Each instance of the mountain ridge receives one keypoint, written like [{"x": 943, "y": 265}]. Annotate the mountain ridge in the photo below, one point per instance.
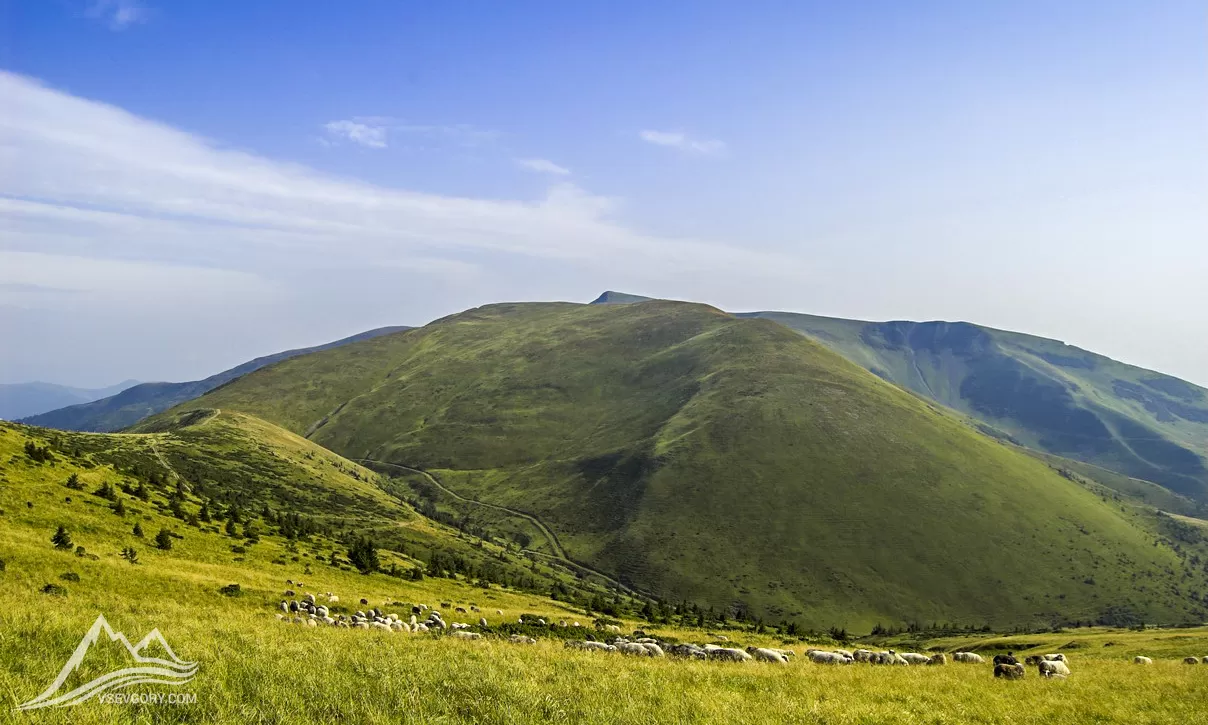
[
  {"x": 131, "y": 405},
  {"x": 730, "y": 462}
]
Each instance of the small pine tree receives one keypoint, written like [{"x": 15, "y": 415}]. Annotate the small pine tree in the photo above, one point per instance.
[
  {"x": 73, "y": 482},
  {"x": 130, "y": 555},
  {"x": 138, "y": 530},
  {"x": 204, "y": 513},
  {"x": 363, "y": 556},
  {"x": 62, "y": 539},
  {"x": 163, "y": 540},
  {"x": 142, "y": 492},
  {"x": 119, "y": 508},
  {"x": 106, "y": 491},
  {"x": 231, "y": 529}
]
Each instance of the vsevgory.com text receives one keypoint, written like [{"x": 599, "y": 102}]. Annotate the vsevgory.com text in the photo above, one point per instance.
[{"x": 148, "y": 698}]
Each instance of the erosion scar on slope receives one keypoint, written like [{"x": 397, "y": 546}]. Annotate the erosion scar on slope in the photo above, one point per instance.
[{"x": 550, "y": 536}]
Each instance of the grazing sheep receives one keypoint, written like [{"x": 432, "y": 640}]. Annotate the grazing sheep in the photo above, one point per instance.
[
  {"x": 828, "y": 658},
  {"x": 728, "y": 654},
  {"x": 290, "y": 593},
  {"x": 1007, "y": 659},
  {"x": 968, "y": 657},
  {"x": 1053, "y": 668},
  {"x": 576, "y": 624},
  {"x": 309, "y": 598},
  {"x": 938, "y": 659},
  {"x": 612, "y": 628},
  {"x": 499, "y": 612},
  {"x": 844, "y": 652},
  {"x": 1033, "y": 660},
  {"x": 1205, "y": 660},
  {"x": 364, "y": 602},
  {"x": 687, "y": 650},
  {"x": 915, "y": 658},
  {"x": 473, "y": 608},
  {"x": 1059, "y": 657},
  {"x": 1140, "y": 660},
  {"x": 764, "y": 654},
  {"x": 465, "y": 635},
  {"x": 460, "y": 610},
  {"x": 1009, "y": 671},
  {"x": 862, "y": 655},
  {"x": 285, "y": 606},
  {"x": 1191, "y": 660},
  {"x": 482, "y": 621},
  {"x": 653, "y": 649},
  {"x": 521, "y": 639},
  {"x": 446, "y": 605},
  {"x": 633, "y": 648}
]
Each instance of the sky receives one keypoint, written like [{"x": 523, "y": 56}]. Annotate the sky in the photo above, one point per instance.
[{"x": 186, "y": 186}]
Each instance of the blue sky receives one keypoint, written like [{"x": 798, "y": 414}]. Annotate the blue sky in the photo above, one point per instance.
[{"x": 184, "y": 186}]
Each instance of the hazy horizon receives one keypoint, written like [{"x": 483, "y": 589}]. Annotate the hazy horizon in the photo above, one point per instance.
[{"x": 184, "y": 188}]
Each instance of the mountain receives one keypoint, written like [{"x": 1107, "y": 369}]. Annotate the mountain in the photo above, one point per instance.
[
  {"x": 1032, "y": 391},
  {"x": 728, "y": 462},
  {"x": 618, "y": 298},
  {"x": 1037, "y": 392},
  {"x": 20, "y": 400},
  {"x": 131, "y": 405}
]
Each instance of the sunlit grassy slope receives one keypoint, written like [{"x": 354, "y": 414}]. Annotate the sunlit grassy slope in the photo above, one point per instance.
[
  {"x": 253, "y": 668},
  {"x": 733, "y": 463}
]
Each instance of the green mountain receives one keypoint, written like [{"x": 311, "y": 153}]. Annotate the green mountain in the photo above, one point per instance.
[
  {"x": 135, "y": 402},
  {"x": 19, "y": 400},
  {"x": 1033, "y": 391},
  {"x": 728, "y": 462},
  {"x": 1040, "y": 393}
]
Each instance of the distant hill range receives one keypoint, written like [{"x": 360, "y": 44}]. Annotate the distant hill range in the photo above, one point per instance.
[
  {"x": 138, "y": 401},
  {"x": 733, "y": 463},
  {"x": 24, "y": 399},
  {"x": 1032, "y": 391}
]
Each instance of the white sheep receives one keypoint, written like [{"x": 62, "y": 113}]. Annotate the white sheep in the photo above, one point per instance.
[
  {"x": 968, "y": 657},
  {"x": 764, "y": 654},
  {"x": 914, "y": 658},
  {"x": 1053, "y": 668},
  {"x": 1140, "y": 660}
]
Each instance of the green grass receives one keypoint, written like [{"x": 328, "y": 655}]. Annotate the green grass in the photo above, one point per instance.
[
  {"x": 255, "y": 669},
  {"x": 731, "y": 463}
]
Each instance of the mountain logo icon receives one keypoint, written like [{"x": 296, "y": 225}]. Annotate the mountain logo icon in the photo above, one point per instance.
[{"x": 145, "y": 670}]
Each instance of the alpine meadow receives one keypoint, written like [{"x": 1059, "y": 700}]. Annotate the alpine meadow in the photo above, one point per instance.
[{"x": 893, "y": 407}]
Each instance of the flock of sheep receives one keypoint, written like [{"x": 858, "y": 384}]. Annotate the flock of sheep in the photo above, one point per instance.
[{"x": 309, "y": 612}]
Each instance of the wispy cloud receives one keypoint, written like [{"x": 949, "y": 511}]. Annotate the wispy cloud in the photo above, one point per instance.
[
  {"x": 543, "y": 166},
  {"x": 118, "y": 14},
  {"x": 364, "y": 134},
  {"x": 97, "y": 182},
  {"x": 683, "y": 142}
]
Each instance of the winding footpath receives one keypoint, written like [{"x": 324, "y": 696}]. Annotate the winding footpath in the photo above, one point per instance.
[{"x": 550, "y": 536}]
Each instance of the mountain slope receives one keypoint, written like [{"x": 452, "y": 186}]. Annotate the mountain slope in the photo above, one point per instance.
[
  {"x": 729, "y": 462},
  {"x": 1038, "y": 392},
  {"x": 20, "y": 400},
  {"x": 130, "y": 406}
]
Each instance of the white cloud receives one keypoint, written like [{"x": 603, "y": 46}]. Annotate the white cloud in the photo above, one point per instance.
[
  {"x": 543, "y": 166},
  {"x": 101, "y": 209},
  {"x": 683, "y": 142},
  {"x": 373, "y": 136},
  {"x": 118, "y": 14},
  {"x": 51, "y": 278}
]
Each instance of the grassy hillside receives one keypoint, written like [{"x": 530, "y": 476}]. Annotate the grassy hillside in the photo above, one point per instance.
[
  {"x": 1044, "y": 394},
  {"x": 732, "y": 463},
  {"x": 233, "y": 489},
  {"x": 124, "y": 407},
  {"x": 252, "y": 668}
]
